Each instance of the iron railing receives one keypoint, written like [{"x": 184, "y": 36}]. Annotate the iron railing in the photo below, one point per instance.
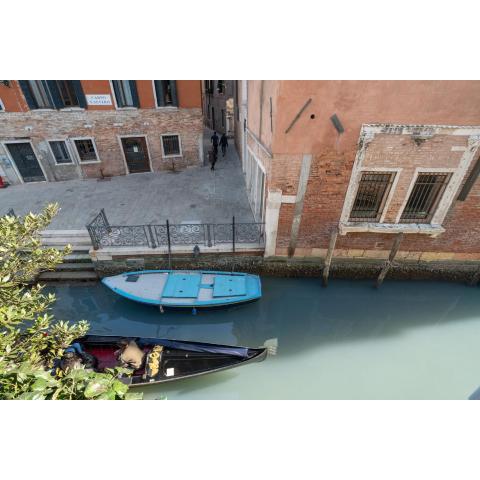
[
  {"x": 372, "y": 192},
  {"x": 426, "y": 193},
  {"x": 169, "y": 235}
]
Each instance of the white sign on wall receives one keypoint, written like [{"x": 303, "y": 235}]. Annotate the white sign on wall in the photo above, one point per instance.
[{"x": 98, "y": 99}]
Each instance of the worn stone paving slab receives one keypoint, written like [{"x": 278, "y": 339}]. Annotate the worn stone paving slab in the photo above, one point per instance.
[{"x": 196, "y": 194}]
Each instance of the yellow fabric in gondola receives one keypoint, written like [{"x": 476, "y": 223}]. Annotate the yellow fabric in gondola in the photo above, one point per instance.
[{"x": 152, "y": 365}]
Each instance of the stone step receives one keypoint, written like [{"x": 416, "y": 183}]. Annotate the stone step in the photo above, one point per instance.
[
  {"x": 67, "y": 276},
  {"x": 60, "y": 238},
  {"x": 64, "y": 233},
  {"x": 60, "y": 241},
  {"x": 75, "y": 266},
  {"x": 78, "y": 257},
  {"x": 75, "y": 249}
]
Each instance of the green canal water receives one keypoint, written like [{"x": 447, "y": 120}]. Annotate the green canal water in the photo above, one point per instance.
[{"x": 408, "y": 340}]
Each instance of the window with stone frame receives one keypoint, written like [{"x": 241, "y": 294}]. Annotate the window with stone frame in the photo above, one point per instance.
[
  {"x": 424, "y": 197},
  {"x": 86, "y": 150},
  {"x": 372, "y": 193},
  {"x": 171, "y": 145},
  {"x": 60, "y": 152}
]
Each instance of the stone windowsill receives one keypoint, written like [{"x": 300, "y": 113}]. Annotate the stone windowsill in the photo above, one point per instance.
[{"x": 358, "y": 227}]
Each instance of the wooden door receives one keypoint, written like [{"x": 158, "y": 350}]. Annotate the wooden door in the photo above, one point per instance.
[{"x": 136, "y": 154}]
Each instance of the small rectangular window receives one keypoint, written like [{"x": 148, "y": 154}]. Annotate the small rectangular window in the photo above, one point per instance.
[
  {"x": 60, "y": 152},
  {"x": 372, "y": 192},
  {"x": 221, "y": 86},
  {"x": 171, "y": 145},
  {"x": 40, "y": 93},
  {"x": 424, "y": 198},
  {"x": 67, "y": 93},
  {"x": 124, "y": 94},
  {"x": 86, "y": 150}
]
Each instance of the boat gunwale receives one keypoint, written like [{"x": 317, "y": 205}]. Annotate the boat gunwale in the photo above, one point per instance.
[
  {"x": 197, "y": 303},
  {"x": 260, "y": 354}
]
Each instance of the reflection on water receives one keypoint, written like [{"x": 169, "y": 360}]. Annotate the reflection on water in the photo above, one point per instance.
[{"x": 406, "y": 340}]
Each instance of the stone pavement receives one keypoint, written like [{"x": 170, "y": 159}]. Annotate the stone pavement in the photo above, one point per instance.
[{"x": 194, "y": 195}]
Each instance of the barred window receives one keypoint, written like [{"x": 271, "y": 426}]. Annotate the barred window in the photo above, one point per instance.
[
  {"x": 372, "y": 192},
  {"x": 424, "y": 198},
  {"x": 60, "y": 152},
  {"x": 171, "y": 145},
  {"x": 86, "y": 150}
]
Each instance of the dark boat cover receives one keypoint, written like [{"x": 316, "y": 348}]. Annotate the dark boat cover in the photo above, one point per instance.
[{"x": 201, "y": 347}]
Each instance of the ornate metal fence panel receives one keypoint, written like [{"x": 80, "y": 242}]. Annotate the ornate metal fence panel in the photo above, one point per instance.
[
  {"x": 167, "y": 235},
  {"x": 250, "y": 233},
  {"x": 222, "y": 233},
  {"x": 126, "y": 236},
  {"x": 188, "y": 234},
  {"x": 98, "y": 228}
]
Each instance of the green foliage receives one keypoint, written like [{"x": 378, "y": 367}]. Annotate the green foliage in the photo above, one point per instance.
[{"x": 30, "y": 339}]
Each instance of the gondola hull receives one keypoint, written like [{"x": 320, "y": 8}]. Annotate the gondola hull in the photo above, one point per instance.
[
  {"x": 187, "y": 288},
  {"x": 179, "y": 359}
]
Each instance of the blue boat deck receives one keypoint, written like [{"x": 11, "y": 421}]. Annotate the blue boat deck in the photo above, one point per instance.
[{"x": 186, "y": 288}]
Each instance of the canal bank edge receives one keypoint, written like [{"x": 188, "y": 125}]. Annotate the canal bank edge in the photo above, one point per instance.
[{"x": 254, "y": 262}]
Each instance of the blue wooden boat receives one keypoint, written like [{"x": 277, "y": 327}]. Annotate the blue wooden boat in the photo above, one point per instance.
[{"x": 186, "y": 289}]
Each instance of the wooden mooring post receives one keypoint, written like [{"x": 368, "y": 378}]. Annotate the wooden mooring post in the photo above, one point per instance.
[
  {"x": 391, "y": 257},
  {"x": 328, "y": 258}
]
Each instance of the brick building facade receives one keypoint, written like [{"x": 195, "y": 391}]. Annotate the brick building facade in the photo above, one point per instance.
[
  {"x": 369, "y": 158},
  {"x": 60, "y": 130}
]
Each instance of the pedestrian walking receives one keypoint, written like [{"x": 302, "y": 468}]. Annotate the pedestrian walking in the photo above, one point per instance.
[
  {"x": 214, "y": 141},
  {"x": 213, "y": 158},
  {"x": 224, "y": 143}
]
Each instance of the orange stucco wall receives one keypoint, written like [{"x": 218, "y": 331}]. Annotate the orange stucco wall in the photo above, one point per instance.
[
  {"x": 188, "y": 91},
  {"x": 98, "y": 87},
  {"x": 358, "y": 102},
  {"x": 12, "y": 97}
]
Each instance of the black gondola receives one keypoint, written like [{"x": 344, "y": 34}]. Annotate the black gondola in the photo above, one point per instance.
[{"x": 168, "y": 360}]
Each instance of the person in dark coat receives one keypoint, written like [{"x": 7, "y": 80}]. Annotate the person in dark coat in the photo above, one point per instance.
[
  {"x": 213, "y": 158},
  {"x": 214, "y": 141},
  {"x": 223, "y": 143}
]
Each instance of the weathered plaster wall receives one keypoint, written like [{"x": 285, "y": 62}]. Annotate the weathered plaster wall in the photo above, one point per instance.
[{"x": 333, "y": 155}]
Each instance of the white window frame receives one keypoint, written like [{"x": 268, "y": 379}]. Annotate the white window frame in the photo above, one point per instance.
[
  {"x": 163, "y": 107},
  {"x": 119, "y": 138},
  {"x": 441, "y": 208},
  {"x": 434, "y": 227},
  {"x": 69, "y": 150},
  {"x": 179, "y": 144},
  {"x": 112, "y": 94},
  {"x": 14, "y": 165},
  {"x": 396, "y": 171},
  {"x": 88, "y": 162},
  {"x": 251, "y": 181}
]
